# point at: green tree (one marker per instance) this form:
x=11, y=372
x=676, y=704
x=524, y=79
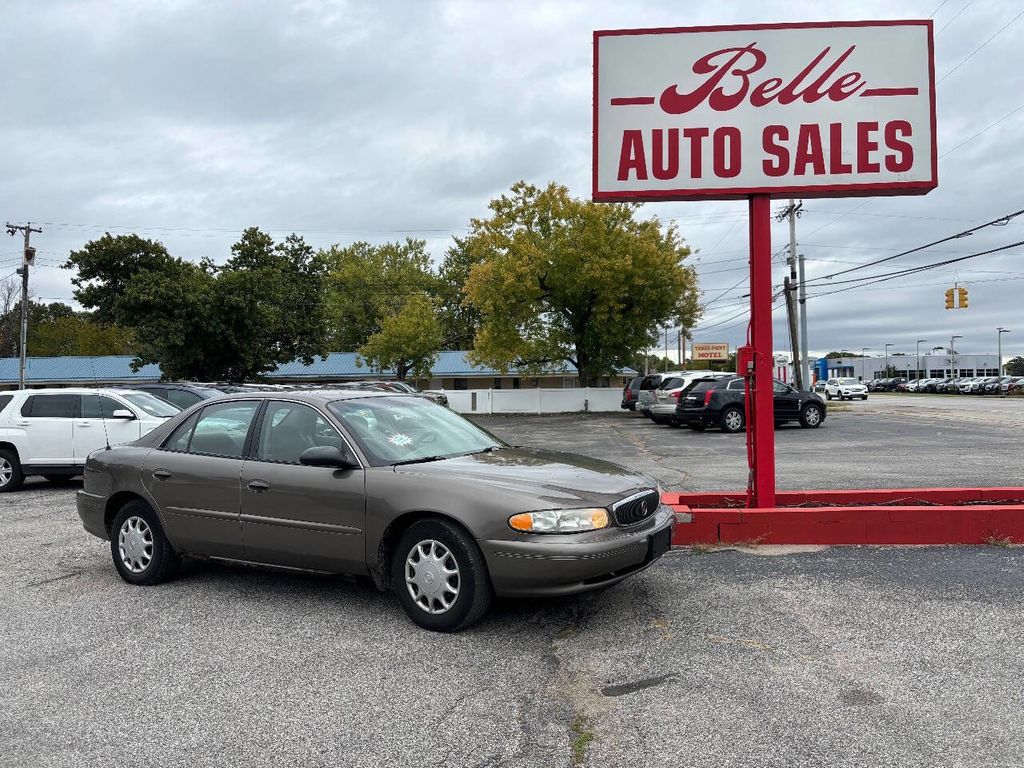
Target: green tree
x=460, y=320
x=264, y=307
x=408, y=340
x=1014, y=366
x=838, y=355
x=560, y=279
x=368, y=283
x=77, y=334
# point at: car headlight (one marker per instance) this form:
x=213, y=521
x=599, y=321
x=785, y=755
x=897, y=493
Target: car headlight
x=560, y=520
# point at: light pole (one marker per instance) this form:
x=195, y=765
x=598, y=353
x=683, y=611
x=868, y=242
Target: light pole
x=862, y=356
x=917, y=375
x=952, y=355
x=999, y=371
x=887, y=359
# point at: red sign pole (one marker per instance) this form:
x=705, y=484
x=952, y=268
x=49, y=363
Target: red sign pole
x=761, y=429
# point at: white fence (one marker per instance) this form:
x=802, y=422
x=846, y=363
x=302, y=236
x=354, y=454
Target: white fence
x=534, y=400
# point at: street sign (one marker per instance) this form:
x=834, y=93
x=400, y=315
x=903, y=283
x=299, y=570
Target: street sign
x=821, y=109
x=710, y=351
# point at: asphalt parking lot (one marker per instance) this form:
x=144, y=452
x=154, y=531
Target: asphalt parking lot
x=767, y=657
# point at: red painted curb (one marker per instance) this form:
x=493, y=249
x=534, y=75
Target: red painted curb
x=874, y=516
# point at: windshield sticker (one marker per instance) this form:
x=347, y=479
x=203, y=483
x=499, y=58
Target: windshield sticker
x=400, y=440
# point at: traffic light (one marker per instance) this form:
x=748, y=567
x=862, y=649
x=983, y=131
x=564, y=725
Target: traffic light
x=963, y=297
x=949, y=298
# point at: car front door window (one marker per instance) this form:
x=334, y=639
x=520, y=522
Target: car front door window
x=96, y=426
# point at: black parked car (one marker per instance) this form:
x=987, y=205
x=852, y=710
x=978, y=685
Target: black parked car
x=631, y=393
x=183, y=394
x=720, y=403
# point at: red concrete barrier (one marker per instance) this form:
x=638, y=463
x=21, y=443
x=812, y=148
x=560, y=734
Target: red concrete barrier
x=874, y=516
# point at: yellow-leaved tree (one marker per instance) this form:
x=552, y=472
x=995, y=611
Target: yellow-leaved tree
x=558, y=279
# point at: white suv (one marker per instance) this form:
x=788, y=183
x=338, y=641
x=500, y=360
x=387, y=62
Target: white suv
x=50, y=432
x=845, y=389
x=666, y=396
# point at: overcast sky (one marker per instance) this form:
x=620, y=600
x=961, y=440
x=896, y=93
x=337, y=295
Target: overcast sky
x=188, y=121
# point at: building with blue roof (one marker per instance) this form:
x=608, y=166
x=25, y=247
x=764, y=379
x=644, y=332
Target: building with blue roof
x=451, y=370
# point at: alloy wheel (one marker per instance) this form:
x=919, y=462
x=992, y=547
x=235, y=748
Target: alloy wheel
x=432, y=576
x=812, y=416
x=135, y=544
x=734, y=420
x=6, y=471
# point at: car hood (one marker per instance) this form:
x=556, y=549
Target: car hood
x=553, y=478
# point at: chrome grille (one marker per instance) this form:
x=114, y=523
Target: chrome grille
x=637, y=508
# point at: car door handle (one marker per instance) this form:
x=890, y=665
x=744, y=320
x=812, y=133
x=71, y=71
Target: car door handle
x=161, y=474
x=83, y=424
x=258, y=486
x=24, y=423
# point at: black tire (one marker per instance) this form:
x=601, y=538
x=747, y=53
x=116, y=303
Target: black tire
x=675, y=423
x=828, y=395
x=728, y=421
x=811, y=416
x=696, y=426
x=864, y=397
x=659, y=420
x=9, y=463
x=164, y=561
x=474, y=584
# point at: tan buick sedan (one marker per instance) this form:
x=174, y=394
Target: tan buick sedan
x=391, y=486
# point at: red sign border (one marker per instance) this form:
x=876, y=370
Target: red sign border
x=734, y=193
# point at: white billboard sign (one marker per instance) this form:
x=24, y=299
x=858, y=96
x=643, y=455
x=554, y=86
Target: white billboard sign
x=710, y=351
x=826, y=109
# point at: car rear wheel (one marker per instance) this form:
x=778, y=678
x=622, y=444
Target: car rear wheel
x=828, y=395
x=811, y=416
x=142, y=554
x=732, y=420
x=440, y=577
x=11, y=476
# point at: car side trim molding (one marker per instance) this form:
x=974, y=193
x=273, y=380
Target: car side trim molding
x=305, y=525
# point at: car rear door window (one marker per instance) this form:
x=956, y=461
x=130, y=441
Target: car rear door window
x=50, y=407
x=221, y=429
x=181, y=398
x=99, y=407
x=5, y=401
x=179, y=439
x=736, y=384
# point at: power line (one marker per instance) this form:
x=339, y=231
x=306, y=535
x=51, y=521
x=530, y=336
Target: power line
x=967, y=5
x=986, y=129
x=972, y=53
x=914, y=270
x=1002, y=220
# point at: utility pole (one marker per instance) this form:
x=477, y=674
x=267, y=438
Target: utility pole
x=681, y=342
x=917, y=374
x=886, y=376
x=666, y=349
x=952, y=356
x=999, y=370
x=801, y=364
x=863, y=350
x=789, y=288
x=805, y=359
x=28, y=256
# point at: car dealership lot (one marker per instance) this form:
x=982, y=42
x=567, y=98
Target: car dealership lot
x=843, y=656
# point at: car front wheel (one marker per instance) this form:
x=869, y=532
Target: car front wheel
x=142, y=554
x=810, y=417
x=440, y=577
x=828, y=395
x=732, y=420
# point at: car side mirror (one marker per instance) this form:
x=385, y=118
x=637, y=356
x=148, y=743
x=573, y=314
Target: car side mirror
x=122, y=413
x=328, y=456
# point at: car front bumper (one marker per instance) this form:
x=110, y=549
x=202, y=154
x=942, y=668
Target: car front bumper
x=92, y=509
x=535, y=567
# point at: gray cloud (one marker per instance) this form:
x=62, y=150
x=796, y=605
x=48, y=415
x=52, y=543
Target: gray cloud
x=189, y=121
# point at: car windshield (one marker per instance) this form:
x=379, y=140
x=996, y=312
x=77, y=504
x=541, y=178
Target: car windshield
x=847, y=382
x=151, y=404
x=392, y=430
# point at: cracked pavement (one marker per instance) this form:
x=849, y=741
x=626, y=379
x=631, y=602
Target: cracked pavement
x=799, y=657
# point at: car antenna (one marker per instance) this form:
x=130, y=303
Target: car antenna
x=99, y=402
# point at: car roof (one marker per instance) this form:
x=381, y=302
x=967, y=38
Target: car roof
x=314, y=396
x=71, y=390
